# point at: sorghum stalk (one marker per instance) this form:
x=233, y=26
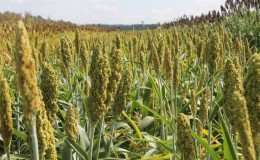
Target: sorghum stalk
x=26, y=74
x=175, y=84
x=213, y=60
x=100, y=71
x=6, y=129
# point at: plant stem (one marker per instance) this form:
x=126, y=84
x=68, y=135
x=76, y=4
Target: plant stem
x=175, y=123
x=18, y=123
x=210, y=109
x=70, y=153
x=161, y=108
x=99, y=137
x=7, y=150
x=91, y=139
x=33, y=134
x=110, y=140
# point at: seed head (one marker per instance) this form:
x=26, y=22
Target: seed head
x=213, y=53
x=176, y=72
x=99, y=81
x=248, y=51
x=49, y=88
x=66, y=55
x=71, y=123
x=168, y=65
x=77, y=41
x=193, y=104
x=45, y=134
x=84, y=56
x=184, y=138
x=252, y=95
x=43, y=50
x=122, y=94
x=232, y=83
x=116, y=65
x=241, y=124
x=6, y=128
x=155, y=58
x=201, y=81
x=26, y=73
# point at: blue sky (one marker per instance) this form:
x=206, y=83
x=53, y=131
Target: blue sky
x=111, y=11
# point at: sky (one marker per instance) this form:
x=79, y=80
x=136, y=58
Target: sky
x=111, y=11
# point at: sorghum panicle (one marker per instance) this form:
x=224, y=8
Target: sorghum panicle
x=71, y=123
x=252, y=95
x=122, y=93
x=99, y=81
x=49, y=88
x=184, y=138
x=26, y=73
x=6, y=124
x=116, y=65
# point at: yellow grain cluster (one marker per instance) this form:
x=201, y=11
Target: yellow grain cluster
x=184, y=138
x=122, y=93
x=252, y=95
x=49, y=88
x=235, y=108
x=6, y=128
x=26, y=73
x=99, y=74
x=71, y=123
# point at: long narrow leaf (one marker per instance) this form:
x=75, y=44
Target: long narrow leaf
x=76, y=147
x=156, y=114
x=230, y=149
x=133, y=125
x=212, y=153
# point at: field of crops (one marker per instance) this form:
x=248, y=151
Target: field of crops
x=181, y=93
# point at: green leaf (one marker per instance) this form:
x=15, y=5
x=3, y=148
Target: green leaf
x=16, y=156
x=20, y=134
x=212, y=153
x=145, y=122
x=150, y=153
x=229, y=148
x=76, y=147
x=159, y=157
x=133, y=125
x=155, y=87
x=215, y=107
x=156, y=114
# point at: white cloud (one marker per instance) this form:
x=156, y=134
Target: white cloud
x=18, y=1
x=105, y=8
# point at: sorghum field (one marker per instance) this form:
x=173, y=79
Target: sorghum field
x=186, y=90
